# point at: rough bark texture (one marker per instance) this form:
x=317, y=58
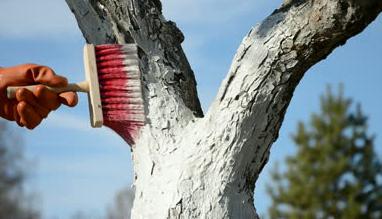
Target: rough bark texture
x=191, y=167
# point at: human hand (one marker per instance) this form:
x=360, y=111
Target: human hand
x=30, y=108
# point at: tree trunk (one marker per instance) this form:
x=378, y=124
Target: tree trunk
x=190, y=166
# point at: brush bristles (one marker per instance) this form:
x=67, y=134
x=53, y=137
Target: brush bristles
x=121, y=88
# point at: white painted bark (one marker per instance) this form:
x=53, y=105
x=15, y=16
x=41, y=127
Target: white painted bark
x=187, y=166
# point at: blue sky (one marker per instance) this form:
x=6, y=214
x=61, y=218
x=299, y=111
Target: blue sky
x=80, y=168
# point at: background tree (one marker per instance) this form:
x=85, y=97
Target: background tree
x=123, y=202
x=14, y=203
x=187, y=165
x=335, y=172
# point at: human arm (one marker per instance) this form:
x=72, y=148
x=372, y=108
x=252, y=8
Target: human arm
x=29, y=108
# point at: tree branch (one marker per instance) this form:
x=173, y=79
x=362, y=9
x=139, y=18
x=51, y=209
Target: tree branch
x=270, y=62
x=208, y=167
x=169, y=82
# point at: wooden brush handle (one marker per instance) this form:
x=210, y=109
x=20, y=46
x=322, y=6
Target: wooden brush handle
x=76, y=87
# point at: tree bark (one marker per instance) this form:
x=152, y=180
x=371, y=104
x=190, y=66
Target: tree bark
x=187, y=166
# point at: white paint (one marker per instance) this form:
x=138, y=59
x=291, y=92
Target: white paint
x=188, y=167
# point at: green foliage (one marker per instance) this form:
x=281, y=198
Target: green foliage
x=335, y=173
x=13, y=202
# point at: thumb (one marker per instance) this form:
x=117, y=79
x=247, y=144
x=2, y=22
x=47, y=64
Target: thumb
x=69, y=98
x=46, y=76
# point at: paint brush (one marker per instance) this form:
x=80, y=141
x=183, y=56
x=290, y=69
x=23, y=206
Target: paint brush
x=114, y=87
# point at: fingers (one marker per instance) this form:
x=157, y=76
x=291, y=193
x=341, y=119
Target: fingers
x=34, y=101
x=28, y=74
x=29, y=108
x=45, y=75
x=46, y=98
x=69, y=98
x=51, y=100
x=28, y=116
x=32, y=108
x=16, y=116
x=7, y=110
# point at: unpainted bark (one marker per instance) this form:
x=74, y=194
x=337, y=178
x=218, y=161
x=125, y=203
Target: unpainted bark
x=186, y=166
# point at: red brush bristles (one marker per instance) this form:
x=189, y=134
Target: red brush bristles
x=121, y=89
